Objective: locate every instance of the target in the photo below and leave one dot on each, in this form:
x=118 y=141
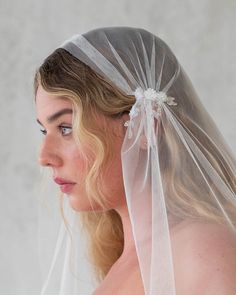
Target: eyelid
x=60 y=128
x=65 y=126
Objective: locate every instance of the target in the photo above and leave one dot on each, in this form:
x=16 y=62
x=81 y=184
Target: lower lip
x=67 y=187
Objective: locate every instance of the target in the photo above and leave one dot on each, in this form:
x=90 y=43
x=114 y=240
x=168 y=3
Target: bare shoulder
x=204 y=235
x=123 y=278
x=205 y=257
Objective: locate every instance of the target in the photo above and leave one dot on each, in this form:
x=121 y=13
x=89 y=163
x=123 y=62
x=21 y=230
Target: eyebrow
x=57 y=115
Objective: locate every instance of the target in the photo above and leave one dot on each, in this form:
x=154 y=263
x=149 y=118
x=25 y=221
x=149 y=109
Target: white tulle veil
x=176 y=165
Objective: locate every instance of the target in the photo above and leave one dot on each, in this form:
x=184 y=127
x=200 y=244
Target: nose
x=49 y=155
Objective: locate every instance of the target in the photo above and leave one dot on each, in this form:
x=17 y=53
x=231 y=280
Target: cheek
x=113 y=182
x=79 y=164
x=80 y=161
x=113 y=177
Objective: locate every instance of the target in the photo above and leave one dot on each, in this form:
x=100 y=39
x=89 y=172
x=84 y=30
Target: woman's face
x=61 y=153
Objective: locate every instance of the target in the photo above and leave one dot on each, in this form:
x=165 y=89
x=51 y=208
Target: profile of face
x=60 y=152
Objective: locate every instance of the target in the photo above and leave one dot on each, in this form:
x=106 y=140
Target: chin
x=82 y=204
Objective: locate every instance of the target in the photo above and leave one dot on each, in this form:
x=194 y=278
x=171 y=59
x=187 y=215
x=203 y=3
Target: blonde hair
x=92 y=96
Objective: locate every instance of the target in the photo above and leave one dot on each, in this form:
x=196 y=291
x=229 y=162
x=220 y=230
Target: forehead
x=47 y=103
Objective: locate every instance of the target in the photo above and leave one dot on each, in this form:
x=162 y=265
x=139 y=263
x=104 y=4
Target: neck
x=127 y=229
x=129 y=245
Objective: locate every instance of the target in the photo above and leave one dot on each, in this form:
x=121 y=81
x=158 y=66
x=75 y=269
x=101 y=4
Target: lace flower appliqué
x=150 y=103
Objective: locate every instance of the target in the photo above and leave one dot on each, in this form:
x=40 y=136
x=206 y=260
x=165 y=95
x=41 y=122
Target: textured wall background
x=201 y=33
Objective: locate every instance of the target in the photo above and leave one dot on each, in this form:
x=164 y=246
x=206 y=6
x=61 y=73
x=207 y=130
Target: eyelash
x=60 y=127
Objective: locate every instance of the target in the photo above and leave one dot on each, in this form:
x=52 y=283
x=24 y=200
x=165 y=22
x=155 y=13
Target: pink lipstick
x=66 y=186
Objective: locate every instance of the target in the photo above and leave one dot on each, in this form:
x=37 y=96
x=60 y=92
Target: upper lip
x=62 y=181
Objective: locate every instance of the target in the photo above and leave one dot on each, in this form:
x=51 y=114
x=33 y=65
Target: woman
x=131 y=145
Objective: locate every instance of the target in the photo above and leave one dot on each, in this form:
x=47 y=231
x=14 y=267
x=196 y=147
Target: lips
x=66 y=186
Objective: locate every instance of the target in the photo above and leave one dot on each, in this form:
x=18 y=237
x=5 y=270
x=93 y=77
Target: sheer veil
x=176 y=165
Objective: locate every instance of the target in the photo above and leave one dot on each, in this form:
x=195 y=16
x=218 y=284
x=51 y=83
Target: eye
x=65 y=130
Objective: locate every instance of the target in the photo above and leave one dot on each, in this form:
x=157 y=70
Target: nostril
x=42 y=161
x=48 y=154
x=44 y=156
x=49 y=160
